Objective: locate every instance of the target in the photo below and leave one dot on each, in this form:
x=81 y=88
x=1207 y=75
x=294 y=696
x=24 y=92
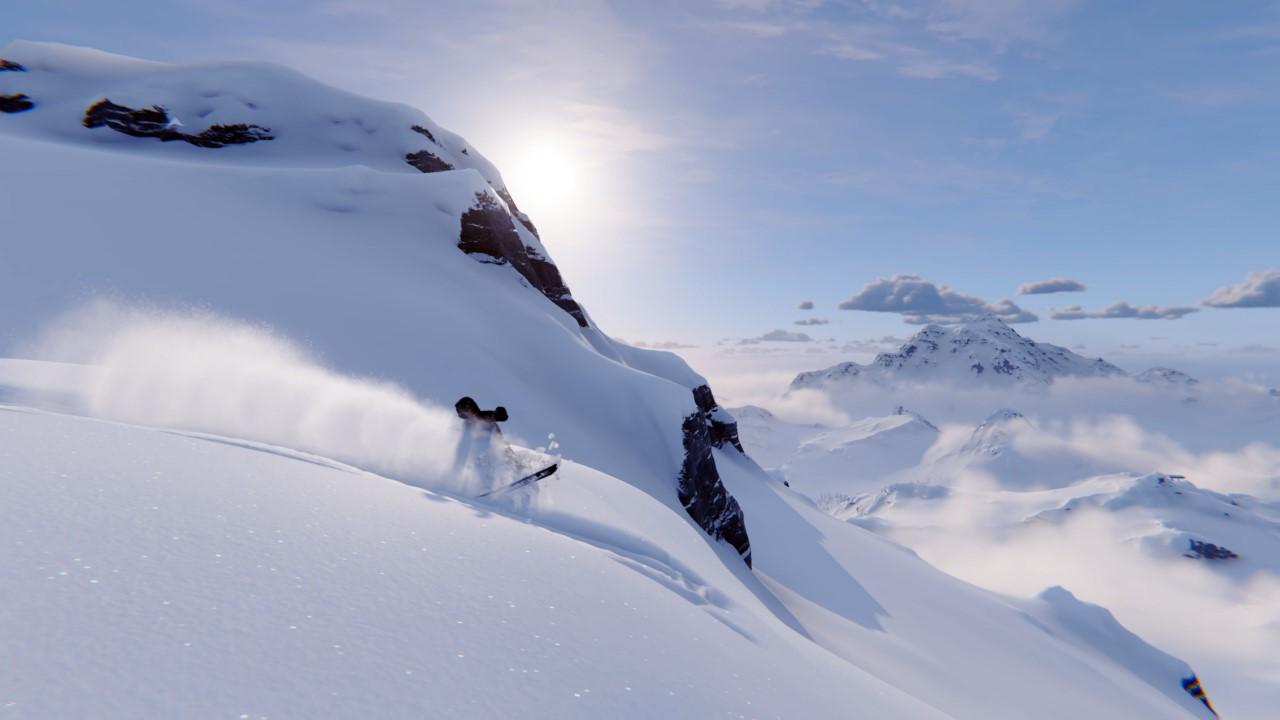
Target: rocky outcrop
x=704 y=495
x=427 y=161
x=154 y=122
x=1196 y=690
x=515 y=210
x=1202 y=550
x=720 y=424
x=10 y=66
x=15 y=103
x=425 y=133
x=488 y=233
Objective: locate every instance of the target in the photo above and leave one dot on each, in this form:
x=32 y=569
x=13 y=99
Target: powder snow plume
x=198 y=371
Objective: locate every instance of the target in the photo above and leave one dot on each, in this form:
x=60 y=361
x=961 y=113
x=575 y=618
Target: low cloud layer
x=1123 y=310
x=1258 y=289
x=662 y=345
x=805 y=305
x=1053 y=285
x=885 y=343
x=920 y=301
x=777 y=336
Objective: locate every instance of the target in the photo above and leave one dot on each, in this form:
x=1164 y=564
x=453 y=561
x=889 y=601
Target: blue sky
x=725 y=160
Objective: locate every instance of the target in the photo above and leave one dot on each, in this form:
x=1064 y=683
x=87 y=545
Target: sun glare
x=546 y=176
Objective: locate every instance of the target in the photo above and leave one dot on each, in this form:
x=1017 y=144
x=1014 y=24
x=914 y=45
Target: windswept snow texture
x=171 y=575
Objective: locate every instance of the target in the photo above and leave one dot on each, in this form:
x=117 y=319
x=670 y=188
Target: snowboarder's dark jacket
x=468 y=410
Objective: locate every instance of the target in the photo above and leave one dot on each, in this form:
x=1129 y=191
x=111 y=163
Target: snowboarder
x=478 y=448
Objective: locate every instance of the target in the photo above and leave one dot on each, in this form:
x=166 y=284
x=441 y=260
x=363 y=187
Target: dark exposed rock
x=427 y=162
x=703 y=494
x=216 y=136
x=1200 y=549
x=720 y=424
x=154 y=122
x=511 y=203
x=10 y=66
x=423 y=131
x=15 y=103
x=1196 y=690
x=487 y=231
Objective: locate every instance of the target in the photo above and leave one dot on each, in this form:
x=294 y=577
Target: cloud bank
x=920 y=301
x=1258 y=289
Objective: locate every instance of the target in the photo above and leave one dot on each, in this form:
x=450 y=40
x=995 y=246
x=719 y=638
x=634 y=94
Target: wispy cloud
x=1034 y=126
x=1259 y=349
x=1053 y=285
x=661 y=345
x=777 y=336
x=998 y=22
x=1122 y=310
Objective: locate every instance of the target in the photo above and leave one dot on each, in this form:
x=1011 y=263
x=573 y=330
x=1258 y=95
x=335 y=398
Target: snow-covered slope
x=817 y=460
x=331 y=234
x=986 y=351
x=261 y=196
x=208 y=576
x=149 y=574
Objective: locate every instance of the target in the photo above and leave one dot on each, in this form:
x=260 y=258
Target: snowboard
x=526 y=480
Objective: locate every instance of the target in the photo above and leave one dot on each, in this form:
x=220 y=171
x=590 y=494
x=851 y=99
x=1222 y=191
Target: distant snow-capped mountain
x=819 y=460
x=986 y=350
x=1166 y=376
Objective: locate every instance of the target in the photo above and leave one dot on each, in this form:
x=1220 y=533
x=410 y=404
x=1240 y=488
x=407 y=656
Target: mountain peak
x=1165 y=376
x=985 y=350
x=995 y=433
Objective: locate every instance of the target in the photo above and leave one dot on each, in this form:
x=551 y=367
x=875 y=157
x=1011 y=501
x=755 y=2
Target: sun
x=546 y=176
